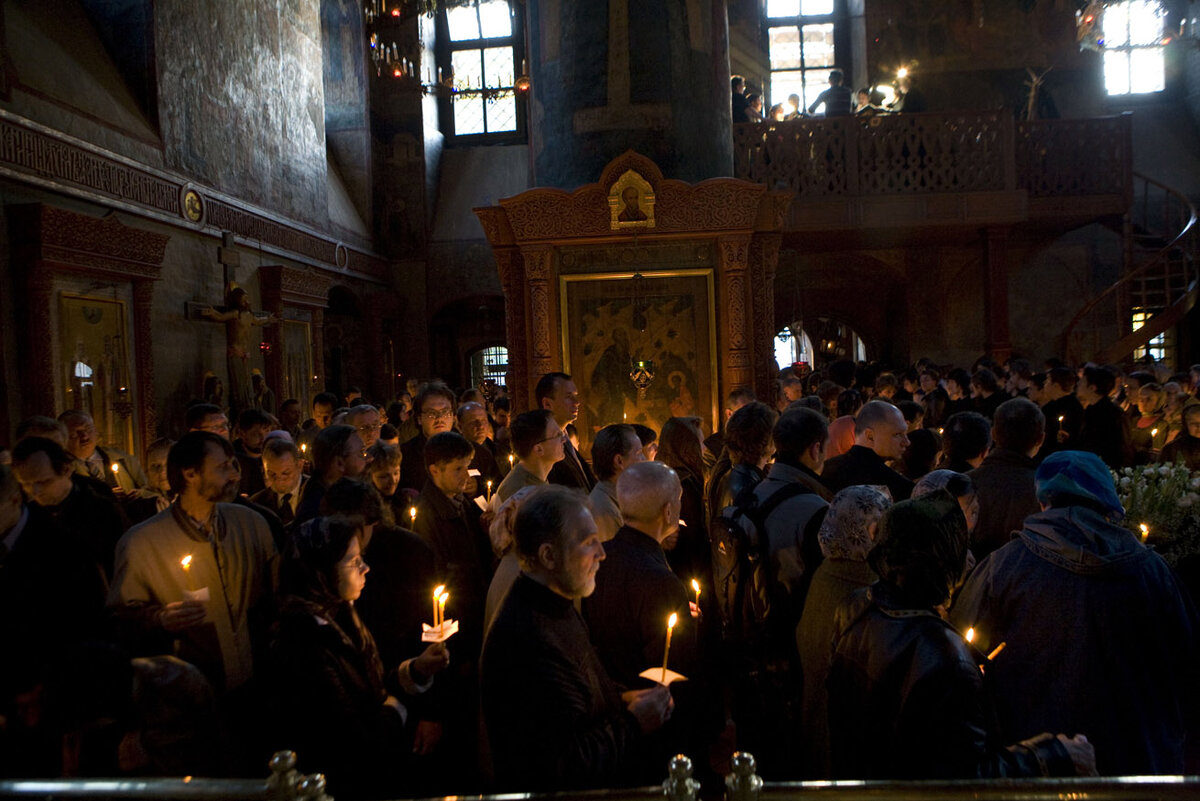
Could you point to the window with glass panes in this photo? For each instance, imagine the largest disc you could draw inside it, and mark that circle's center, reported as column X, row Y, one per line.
column 801, row 41
column 489, row 363
column 484, row 37
column 1133, row 47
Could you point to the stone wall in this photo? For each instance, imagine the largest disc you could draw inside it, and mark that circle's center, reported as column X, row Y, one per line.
column 241, row 99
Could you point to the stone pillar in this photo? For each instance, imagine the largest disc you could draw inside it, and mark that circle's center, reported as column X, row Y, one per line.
column 734, row 295
column 764, row 260
column 995, row 294
column 545, row 352
column 511, row 268
column 646, row 75
column 143, row 354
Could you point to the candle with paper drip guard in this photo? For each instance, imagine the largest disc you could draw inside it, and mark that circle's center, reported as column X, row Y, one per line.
column 671, row 621
column 442, row 629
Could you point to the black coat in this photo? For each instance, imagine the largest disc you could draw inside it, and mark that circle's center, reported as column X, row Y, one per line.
column 554, row 718
column 572, row 470
column 412, row 463
column 861, row 465
column 399, row 591
column 1006, row 497
column 1105, row 432
column 330, row 693
column 906, row 700
column 636, row 592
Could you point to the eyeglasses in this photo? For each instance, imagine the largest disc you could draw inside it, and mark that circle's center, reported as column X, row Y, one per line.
column 356, row 563
column 552, row 438
column 368, row 428
column 440, row 414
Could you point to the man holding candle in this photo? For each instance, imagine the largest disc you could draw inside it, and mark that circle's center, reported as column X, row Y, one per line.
column 1100, row 636
column 99, row 462
column 554, row 717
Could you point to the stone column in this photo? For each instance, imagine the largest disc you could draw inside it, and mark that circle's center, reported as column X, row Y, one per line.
column 734, row 295
column 511, row 268
column 545, row 353
column 764, row 259
column 646, row 75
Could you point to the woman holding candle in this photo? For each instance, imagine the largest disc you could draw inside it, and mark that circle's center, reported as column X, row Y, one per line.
column 351, row 721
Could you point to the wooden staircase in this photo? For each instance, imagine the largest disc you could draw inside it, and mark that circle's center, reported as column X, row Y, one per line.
column 1160, row 280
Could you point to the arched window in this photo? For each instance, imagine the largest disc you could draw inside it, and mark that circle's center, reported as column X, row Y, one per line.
column 1133, row 33
column 834, row 341
column 489, row 363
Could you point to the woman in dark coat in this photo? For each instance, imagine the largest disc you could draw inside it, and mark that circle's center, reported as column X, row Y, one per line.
column 338, row 709
column 906, row 696
column 680, row 447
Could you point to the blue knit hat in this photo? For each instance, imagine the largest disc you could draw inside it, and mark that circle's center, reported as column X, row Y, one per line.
column 1078, row 474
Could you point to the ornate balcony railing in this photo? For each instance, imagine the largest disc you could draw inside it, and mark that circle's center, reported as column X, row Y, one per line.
column 901, row 154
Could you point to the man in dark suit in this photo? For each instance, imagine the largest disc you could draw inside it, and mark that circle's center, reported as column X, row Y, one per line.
column 557, row 393
column 284, row 478
column 1105, row 430
column 880, row 434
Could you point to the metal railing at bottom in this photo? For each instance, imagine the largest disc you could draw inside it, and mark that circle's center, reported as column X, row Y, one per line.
column 742, row 784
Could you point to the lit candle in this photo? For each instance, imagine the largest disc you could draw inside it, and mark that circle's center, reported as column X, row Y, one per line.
column 667, row 651
column 696, row 587
column 412, row 514
column 489, row 489
column 1060, row 418
column 445, row 596
column 971, row 635
column 996, row 651
column 1145, row 531
column 437, row 594
column 186, row 564
column 1154, row 432
column 116, row 468
column 304, row 448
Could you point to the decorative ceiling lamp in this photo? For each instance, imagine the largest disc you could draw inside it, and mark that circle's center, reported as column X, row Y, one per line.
column 641, row 371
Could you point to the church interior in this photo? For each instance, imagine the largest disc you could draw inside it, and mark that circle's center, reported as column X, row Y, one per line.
column 360, row 172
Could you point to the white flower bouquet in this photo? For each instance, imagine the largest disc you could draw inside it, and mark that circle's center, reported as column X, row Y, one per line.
column 1162, row 507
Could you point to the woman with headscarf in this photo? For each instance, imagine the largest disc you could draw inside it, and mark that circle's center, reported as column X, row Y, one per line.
column 338, row 709
column 906, row 696
column 846, row 536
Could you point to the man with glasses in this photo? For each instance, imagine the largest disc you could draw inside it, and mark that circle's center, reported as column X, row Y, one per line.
column 434, row 410
column 93, row 460
column 365, row 419
column 539, row 444
column 284, row 478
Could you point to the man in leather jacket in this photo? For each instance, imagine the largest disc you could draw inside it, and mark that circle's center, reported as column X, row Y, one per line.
column 906, row 698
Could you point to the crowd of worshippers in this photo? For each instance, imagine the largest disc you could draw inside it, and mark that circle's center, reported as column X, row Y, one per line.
column 879, row 575
column 836, row 101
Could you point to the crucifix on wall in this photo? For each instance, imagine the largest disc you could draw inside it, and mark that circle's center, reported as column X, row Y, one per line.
column 240, row 322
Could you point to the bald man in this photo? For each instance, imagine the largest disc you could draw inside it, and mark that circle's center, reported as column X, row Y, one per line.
column 880, row 436
column 636, row 591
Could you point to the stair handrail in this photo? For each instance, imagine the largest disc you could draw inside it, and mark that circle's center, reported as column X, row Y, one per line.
column 1156, row 258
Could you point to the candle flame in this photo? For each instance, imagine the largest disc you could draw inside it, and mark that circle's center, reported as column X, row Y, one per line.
column 445, row 596
column 1154, row 432
column 672, row 620
column 438, row 590
column 902, row 72
column 1145, row 531
column 412, row 512
column 696, row 586
column 304, row 447
column 116, row 468
column 1060, row 417
column 971, row 635
column 186, row 562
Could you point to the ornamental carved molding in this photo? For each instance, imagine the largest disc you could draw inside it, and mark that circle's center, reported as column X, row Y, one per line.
column 295, row 287
column 67, row 241
column 717, row 204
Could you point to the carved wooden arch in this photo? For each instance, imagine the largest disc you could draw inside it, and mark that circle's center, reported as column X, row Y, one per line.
column 737, row 221
column 49, row 242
